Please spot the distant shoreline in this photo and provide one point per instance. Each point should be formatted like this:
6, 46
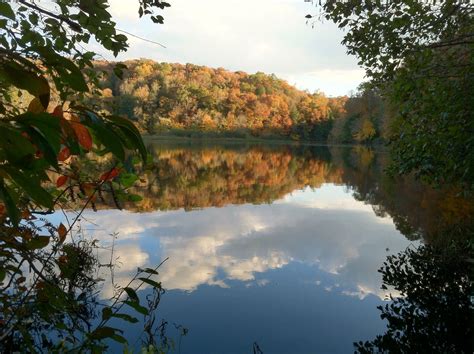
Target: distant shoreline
252, 140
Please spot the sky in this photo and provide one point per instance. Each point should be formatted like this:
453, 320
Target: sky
270, 36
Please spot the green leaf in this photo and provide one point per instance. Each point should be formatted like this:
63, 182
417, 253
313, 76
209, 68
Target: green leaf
50, 154
48, 125
15, 146
157, 19
132, 294
61, 325
151, 282
33, 17
118, 70
107, 138
103, 332
135, 198
137, 307
132, 134
38, 242
32, 187
10, 204
150, 271
6, 11
126, 317
106, 313
128, 179
66, 68
24, 78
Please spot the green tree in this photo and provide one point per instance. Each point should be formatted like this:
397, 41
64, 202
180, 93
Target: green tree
420, 54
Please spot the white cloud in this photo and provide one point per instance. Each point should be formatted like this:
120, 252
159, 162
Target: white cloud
330, 196
329, 81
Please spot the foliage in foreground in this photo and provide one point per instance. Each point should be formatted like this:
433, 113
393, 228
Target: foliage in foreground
433, 311
419, 54
55, 152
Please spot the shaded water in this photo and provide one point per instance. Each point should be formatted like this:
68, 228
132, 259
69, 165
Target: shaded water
276, 245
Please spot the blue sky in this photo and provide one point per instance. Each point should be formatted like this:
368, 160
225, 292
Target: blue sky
249, 35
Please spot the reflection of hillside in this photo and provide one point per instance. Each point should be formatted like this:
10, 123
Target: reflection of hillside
193, 177
185, 178
417, 210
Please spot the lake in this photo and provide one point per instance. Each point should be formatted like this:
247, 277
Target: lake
269, 247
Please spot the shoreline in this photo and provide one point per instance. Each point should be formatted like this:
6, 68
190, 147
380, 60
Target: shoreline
269, 141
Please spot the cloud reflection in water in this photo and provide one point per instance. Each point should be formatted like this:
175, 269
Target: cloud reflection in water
324, 228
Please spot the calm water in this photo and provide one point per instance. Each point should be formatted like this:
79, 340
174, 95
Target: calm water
275, 245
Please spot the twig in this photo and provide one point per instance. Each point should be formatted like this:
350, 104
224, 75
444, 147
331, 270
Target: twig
143, 39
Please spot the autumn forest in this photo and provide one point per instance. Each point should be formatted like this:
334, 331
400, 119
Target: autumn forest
185, 99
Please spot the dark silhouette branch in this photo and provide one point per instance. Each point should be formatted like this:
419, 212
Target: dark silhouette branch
74, 26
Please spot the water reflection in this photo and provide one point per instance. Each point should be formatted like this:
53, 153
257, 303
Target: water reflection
338, 234
434, 311
273, 244
187, 176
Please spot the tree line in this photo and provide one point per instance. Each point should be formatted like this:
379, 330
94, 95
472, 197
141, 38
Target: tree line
165, 97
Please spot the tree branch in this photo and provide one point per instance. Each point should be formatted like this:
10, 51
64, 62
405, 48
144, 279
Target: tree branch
74, 26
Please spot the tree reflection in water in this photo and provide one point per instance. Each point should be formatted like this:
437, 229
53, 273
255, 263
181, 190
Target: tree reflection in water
433, 312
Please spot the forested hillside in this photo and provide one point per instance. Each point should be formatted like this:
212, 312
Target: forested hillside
163, 97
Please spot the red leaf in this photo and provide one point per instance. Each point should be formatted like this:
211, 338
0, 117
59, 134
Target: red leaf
64, 154
58, 112
107, 176
62, 232
61, 181
83, 136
